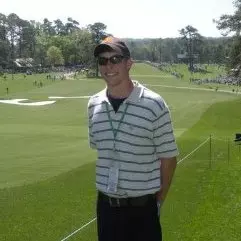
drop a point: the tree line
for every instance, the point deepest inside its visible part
(58, 43)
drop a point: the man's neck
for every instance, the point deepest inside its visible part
(120, 92)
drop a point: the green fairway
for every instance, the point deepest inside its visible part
(47, 170)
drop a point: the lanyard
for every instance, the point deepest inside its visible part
(115, 131)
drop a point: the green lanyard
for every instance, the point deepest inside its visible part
(115, 131)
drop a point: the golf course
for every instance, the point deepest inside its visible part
(47, 170)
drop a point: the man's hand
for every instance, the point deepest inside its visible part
(167, 169)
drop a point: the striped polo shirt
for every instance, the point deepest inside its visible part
(134, 139)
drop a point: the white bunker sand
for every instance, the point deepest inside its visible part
(69, 97)
(19, 102)
(40, 103)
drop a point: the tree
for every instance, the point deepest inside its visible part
(55, 56)
(13, 34)
(4, 43)
(32, 32)
(59, 27)
(98, 33)
(41, 48)
(71, 25)
(232, 24)
(47, 27)
(191, 36)
(82, 47)
(25, 39)
(154, 50)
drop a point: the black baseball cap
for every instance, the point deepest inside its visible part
(112, 44)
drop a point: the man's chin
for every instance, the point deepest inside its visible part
(113, 83)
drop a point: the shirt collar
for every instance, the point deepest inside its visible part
(134, 96)
(136, 93)
(103, 96)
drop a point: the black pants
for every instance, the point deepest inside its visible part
(128, 223)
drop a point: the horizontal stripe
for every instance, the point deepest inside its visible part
(172, 150)
(99, 131)
(154, 100)
(161, 116)
(130, 162)
(124, 147)
(143, 107)
(124, 142)
(121, 112)
(164, 143)
(127, 152)
(163, 134)
(138, 116)
(132, 181)
(161, 126)
(101, 183)
(140, 181)
(107, 132)
(130, 134)
(123, 122)
(101, 175)
(140, 189)
(145, 172)
(130, 171)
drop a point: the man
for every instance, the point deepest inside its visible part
(131, 129)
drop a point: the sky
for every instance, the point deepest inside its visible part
(128, 18)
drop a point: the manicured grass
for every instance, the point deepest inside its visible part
(204, 203)
(47, 170)
(50, 209)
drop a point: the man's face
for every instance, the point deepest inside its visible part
(117, 72)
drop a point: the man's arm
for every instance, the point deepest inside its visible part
(167, 169)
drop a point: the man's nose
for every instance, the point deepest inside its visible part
(109, 64)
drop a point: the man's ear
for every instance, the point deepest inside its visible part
(129, 63)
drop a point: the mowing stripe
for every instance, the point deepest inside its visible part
(193, 88)
(95, 217)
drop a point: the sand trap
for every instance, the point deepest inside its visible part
(69, 97)
(40, 103)
(18, 102)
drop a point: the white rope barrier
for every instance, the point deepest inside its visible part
(193, 151)
(77, 230)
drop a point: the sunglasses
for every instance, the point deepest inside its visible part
(116, 59)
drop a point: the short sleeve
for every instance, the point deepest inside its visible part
(163, 136)
(92, 143)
